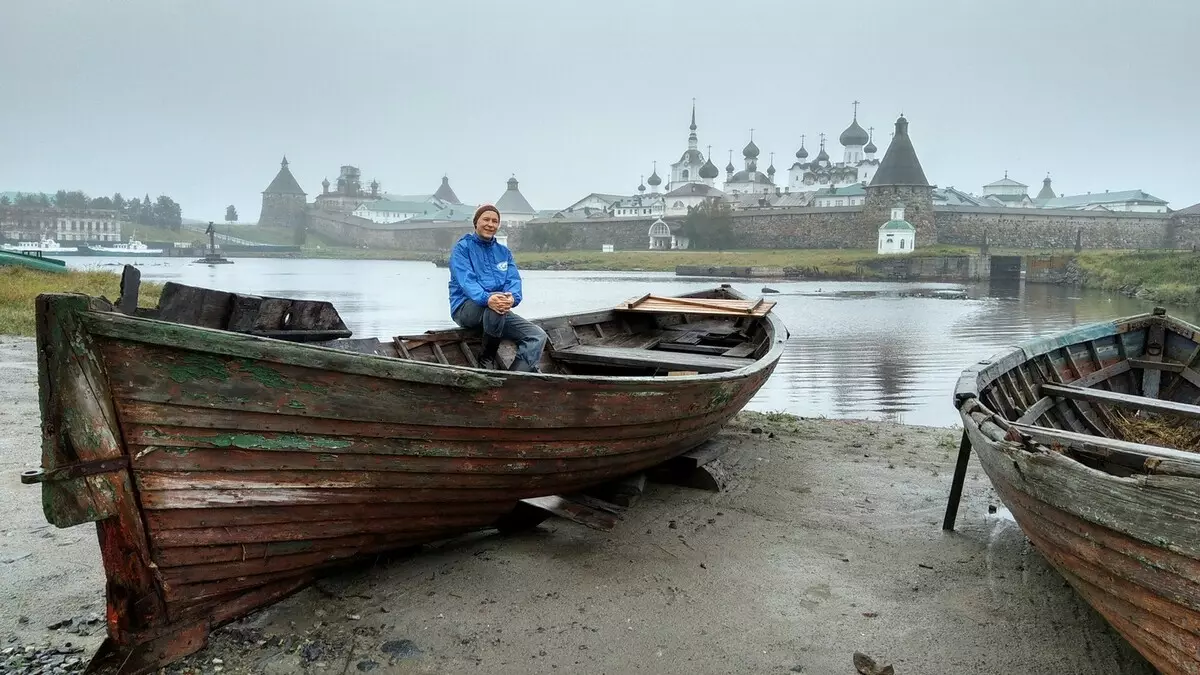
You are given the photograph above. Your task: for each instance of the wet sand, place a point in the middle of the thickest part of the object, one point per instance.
(826, 542)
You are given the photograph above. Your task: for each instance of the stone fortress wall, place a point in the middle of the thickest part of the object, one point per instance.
(834, 227)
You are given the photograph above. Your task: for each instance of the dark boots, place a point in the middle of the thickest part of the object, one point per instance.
(489, 360)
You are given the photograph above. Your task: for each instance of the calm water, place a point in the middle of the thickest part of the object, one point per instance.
(889, 351)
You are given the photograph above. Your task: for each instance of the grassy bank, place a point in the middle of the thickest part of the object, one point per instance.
(831, 262)
(1170, 277)
(19, 287)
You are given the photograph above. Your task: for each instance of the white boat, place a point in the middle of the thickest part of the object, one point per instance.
(40, 246)
(132, 247)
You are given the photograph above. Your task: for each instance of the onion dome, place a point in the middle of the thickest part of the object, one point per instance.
(750, 151)
(325, 184)
(709, 170)
(654, 180)
(870, 148)
(822, 156)
(641, 187)
(854, 135)
(802, 154)
(730, 168)
(771, 170)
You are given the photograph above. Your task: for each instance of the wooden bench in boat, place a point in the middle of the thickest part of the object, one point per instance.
(649, 358)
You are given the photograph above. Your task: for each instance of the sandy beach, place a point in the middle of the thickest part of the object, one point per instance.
(825, 542)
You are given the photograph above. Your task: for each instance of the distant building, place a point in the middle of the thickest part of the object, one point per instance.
(900, 178)
(1008, 192)
(33, 223)
(750, 180)
(1135, 201)
(692, 165)
(284, 203)
(850, 195)
(678, 201)
(349, 193)
(897, 235)
(858, 163)
(446, 193)
(666, 236)
(388, 211)
(514, 209)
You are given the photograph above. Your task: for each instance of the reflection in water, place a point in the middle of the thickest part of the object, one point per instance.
(857, 350)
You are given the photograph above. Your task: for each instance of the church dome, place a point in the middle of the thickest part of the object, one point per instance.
(801, 154)
(854, 135)
(750, 151)
(654, 180)
(730, 168)
(748, 176)
(709, 170)
(822, 156)
(771, 170)
(870, 148)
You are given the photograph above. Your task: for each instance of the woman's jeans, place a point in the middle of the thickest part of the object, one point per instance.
(530, 338)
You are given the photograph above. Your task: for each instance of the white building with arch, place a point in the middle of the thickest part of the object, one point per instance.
(897, 235)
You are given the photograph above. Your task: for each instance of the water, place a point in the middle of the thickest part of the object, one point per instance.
(887, 351)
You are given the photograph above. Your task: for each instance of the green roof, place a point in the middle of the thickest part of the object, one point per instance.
(1073, 201)
(855, 190)
(454, 213)
(898, 225)
(393, 206)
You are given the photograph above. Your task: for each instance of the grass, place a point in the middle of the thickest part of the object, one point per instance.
(827, 261)
(1171, 277)
(19, 287)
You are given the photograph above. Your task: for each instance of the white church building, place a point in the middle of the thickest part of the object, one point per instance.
(897, 235)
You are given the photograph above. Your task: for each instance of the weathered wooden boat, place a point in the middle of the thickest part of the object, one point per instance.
(33, 260)
(1089, 439)
(230, 448)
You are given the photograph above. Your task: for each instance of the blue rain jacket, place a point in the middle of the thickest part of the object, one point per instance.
(480, 267)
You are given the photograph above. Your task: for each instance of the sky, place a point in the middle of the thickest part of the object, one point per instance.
(199, 99)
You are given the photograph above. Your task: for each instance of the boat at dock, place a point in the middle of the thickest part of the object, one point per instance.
(1091, 439)
(41, 246)
(133, 247)
(232, 448)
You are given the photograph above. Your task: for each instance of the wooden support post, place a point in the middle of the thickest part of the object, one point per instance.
(131, 278)
(956, 485)
(700, 469)
(1152, 377)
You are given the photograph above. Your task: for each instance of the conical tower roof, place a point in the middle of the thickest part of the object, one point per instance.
(446, 193)
(284, 183)
(900, 165)
(1047, 192)
(512, 201)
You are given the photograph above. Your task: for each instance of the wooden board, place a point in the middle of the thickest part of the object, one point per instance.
(649, 358)
(1130, 401)
(661, 304)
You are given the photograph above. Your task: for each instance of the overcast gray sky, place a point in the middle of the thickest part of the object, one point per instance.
(200, 99)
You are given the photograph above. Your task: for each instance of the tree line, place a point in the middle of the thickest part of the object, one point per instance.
(162, 212)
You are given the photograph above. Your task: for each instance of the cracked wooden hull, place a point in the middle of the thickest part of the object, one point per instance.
(249, 466)
(1119, 519)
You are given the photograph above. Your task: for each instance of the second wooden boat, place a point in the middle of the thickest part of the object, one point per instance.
(1090, 439)
(230, 448)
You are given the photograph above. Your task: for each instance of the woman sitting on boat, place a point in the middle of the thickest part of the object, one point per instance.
(485, 286)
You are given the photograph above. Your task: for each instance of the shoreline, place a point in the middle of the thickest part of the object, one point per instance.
(825, 542)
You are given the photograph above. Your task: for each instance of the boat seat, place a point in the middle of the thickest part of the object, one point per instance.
(649, 358)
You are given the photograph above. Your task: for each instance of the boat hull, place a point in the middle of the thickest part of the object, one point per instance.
(249, 466)
(1127, 538)
(10, 259)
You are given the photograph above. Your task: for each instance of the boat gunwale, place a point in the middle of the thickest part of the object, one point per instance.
(114, 324)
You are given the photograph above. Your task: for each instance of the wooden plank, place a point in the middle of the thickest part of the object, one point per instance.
(439, 354)
(1144, 364)
(131, 278)
(1100, 444)
(402, 347)
(243, 312)
(656, 303)
(468, 353)
(1130, 401)
(1102, 375)
(712, 350)
(317, 335)
(647, 358)
(630, 304)
(1152, 377)
(744, 350)
(271, 314)
(1042, 406)
(581, 513)
(312, 315)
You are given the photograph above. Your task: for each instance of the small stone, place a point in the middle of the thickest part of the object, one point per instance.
(991, 508)
(367, 666)
(59, 624)
(672, 525)
(400, 649)
(354, 617)
(218, 661)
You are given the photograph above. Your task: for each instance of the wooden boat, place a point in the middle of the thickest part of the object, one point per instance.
(1085, 436)
(32, 260)
(230, 448)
